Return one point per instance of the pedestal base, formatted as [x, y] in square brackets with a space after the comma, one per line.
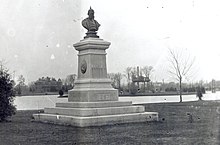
[92, 90]
[92, 95]
[85, 114]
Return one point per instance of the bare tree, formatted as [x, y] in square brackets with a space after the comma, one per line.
[134, 72]
[116, 79]
[21, 84]
[180, 66]
[21, 80]
[111, 76]
[70, 79]
[128, 75]
[147, 71]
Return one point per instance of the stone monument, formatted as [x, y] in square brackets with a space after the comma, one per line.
[93, 101]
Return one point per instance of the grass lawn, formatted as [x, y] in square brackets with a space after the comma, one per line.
[189, 123]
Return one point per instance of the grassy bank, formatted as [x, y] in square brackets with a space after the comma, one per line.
[180, 123]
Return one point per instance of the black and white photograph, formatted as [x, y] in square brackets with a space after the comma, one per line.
[109, 72]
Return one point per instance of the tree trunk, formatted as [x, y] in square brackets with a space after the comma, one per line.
[129, 87]
[181, 90]
[119, 85]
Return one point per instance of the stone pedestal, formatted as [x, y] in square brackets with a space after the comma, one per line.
[92, 84]
[93, 101]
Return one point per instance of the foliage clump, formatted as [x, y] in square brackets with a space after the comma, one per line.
[6, 96]
[133, 89]
[199, 92]
[61, 93]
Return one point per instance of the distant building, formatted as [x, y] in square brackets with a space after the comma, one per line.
[215, 85]
[47, 85]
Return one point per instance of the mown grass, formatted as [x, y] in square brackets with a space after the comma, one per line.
[180, 123]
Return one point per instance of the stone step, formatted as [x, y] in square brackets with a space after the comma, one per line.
[94, 104]
[96, 120]
[94, 111]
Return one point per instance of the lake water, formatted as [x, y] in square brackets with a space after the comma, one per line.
[40, 102]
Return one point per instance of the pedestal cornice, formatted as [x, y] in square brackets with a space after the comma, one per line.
[92, 43]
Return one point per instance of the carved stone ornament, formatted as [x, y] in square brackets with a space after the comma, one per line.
[83, 66]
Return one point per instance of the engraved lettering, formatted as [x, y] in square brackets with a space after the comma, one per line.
[103, 96]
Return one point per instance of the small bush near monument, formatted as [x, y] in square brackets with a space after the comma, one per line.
[133, 89]
[6, 96]
[199, 92]
[61, 92]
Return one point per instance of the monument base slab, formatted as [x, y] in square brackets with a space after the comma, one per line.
[83, 114]
[96, 120]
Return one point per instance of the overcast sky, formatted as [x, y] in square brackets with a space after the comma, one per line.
[37, 35]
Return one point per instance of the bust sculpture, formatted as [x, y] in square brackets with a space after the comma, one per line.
[91, 24]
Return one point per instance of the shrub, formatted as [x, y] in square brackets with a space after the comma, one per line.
[6, 96]
[203, 90]
[199, 93]
[61, 92]
[133, 89]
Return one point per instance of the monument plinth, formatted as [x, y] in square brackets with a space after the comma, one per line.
[93, 101]
[92, 84]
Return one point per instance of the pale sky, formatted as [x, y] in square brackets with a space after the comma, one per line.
[37, 35]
